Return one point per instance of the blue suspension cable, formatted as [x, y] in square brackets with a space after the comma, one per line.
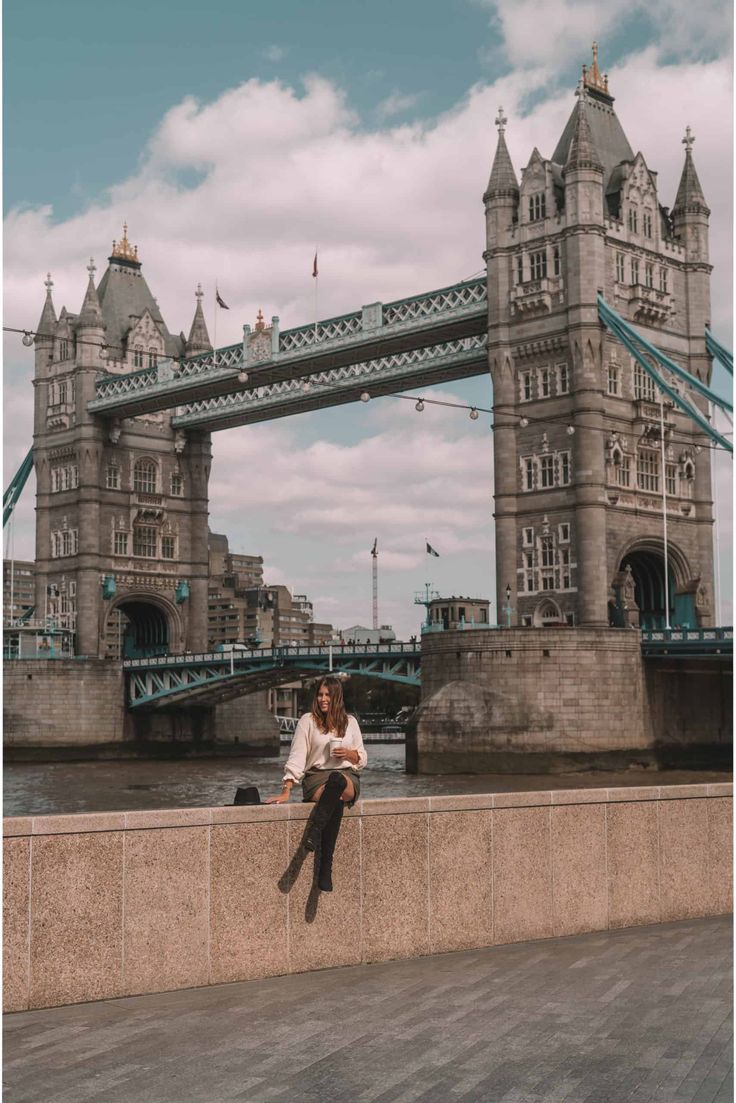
[719, 352]
[606, 312]
[624, 334]
[13, 493]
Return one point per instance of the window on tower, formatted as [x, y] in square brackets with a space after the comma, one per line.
[121, 543]
[623, 472]
[556, 262]
[620, 272]
[633, 220]
[545, 385]
[647, 223]
[168, 547]
[144, 477]
[634, 270]
[671, 479]
[520, 268]
[138, 356]
[563, 458]
[613, 387]
[538, 265]
[529, 473]
[663, 279]
[526, 386]
[647, 471]
[177, 485]
[63, 350]
[144, 541]
[547, 472]
[645, 388]
[649, 275]
[563, 379]
[112, 477]
[537, 207]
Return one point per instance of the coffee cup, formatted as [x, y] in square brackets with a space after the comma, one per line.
[336, 744]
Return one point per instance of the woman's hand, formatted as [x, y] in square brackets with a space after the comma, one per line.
[280, 799]
[347, 752]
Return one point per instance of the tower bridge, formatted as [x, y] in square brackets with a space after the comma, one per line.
[602, 500]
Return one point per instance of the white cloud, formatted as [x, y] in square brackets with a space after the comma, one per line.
[396, 104]
[275, 53]
[395, 211]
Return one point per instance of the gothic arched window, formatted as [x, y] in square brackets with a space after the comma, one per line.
[138, 356]
[152, 357]
[144, 477]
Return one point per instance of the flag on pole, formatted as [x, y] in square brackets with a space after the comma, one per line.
[374, 549]
[430, 550]
[219, 300]
[315, 270]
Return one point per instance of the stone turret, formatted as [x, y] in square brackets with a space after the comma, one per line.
[199, 339]
[90, 326]
[44, 338]
[501, 197]
[690, 212]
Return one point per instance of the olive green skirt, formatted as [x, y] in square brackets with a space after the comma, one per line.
[314, 778]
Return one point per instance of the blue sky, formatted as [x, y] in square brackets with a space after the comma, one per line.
[233, 137]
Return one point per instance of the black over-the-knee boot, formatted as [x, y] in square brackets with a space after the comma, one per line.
[326, 805]
[329, 837]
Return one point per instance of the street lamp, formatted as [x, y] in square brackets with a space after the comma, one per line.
[508, 610]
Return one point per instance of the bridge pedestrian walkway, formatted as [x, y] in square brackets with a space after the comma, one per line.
[632, 1016]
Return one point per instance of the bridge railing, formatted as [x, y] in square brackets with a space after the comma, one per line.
[277, 653]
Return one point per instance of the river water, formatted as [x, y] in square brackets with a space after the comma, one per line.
[44, 788]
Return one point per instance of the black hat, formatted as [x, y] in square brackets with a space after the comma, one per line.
[249, 795]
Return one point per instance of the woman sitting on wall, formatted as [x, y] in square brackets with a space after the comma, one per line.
[326, 755]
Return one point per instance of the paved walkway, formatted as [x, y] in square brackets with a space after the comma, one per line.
[634, 1016]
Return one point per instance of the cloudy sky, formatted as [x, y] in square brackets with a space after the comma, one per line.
[234, 138]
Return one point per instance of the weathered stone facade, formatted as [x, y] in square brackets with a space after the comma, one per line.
[528, 700]
[578, 479]
[121, 507]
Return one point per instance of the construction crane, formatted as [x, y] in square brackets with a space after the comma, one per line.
[374, 553]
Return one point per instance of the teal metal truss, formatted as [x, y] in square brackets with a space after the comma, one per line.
[688, 643]
[644, 353]
[377, 331]
[14, 491]
[174, 680]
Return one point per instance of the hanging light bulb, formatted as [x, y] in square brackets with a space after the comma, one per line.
[570, 430]
[473, 414]
[365, 397]
[27, 339]
[419, 406]
[242, 376]
[523, 422]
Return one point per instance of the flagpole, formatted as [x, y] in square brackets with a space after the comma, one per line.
[316, 290]
[215, 330]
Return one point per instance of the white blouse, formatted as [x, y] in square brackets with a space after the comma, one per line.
[310, 749]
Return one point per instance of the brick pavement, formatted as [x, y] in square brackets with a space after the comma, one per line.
[632, 1016]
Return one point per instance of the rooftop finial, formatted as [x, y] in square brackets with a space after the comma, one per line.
[123, 250]
[688, 140]
[48, 282]
[91, 267]
[199, 293]
[260, 324]
[592, 77]
[501, 121]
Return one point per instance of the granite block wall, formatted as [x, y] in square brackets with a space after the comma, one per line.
[120, 903]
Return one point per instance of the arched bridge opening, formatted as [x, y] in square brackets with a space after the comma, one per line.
[138, 629]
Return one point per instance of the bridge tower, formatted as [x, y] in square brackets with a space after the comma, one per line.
[121, 506]
[578, 471]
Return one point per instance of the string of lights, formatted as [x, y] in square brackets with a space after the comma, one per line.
[420, 401]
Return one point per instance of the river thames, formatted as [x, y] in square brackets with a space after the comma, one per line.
[58, 787]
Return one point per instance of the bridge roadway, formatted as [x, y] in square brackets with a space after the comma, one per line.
[170, 680]
[427, 338]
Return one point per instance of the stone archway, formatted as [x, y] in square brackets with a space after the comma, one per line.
[547, 614]
[639, 586]
[138, 626]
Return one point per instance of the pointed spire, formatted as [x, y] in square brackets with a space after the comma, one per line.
[90, 316]
[199, 338]
[582, 153]
[47, 323]
[503, 178]
[689, 194]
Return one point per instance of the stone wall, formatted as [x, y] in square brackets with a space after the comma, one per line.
[76, 709]
[532, 700]
[114, 904]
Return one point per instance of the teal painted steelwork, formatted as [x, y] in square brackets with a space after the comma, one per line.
[14, 491]
[634, 342]
[688, 643]
[216, 676]
[719, 352]
[443, 315]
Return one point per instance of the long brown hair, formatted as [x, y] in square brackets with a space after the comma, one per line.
[336, 719]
